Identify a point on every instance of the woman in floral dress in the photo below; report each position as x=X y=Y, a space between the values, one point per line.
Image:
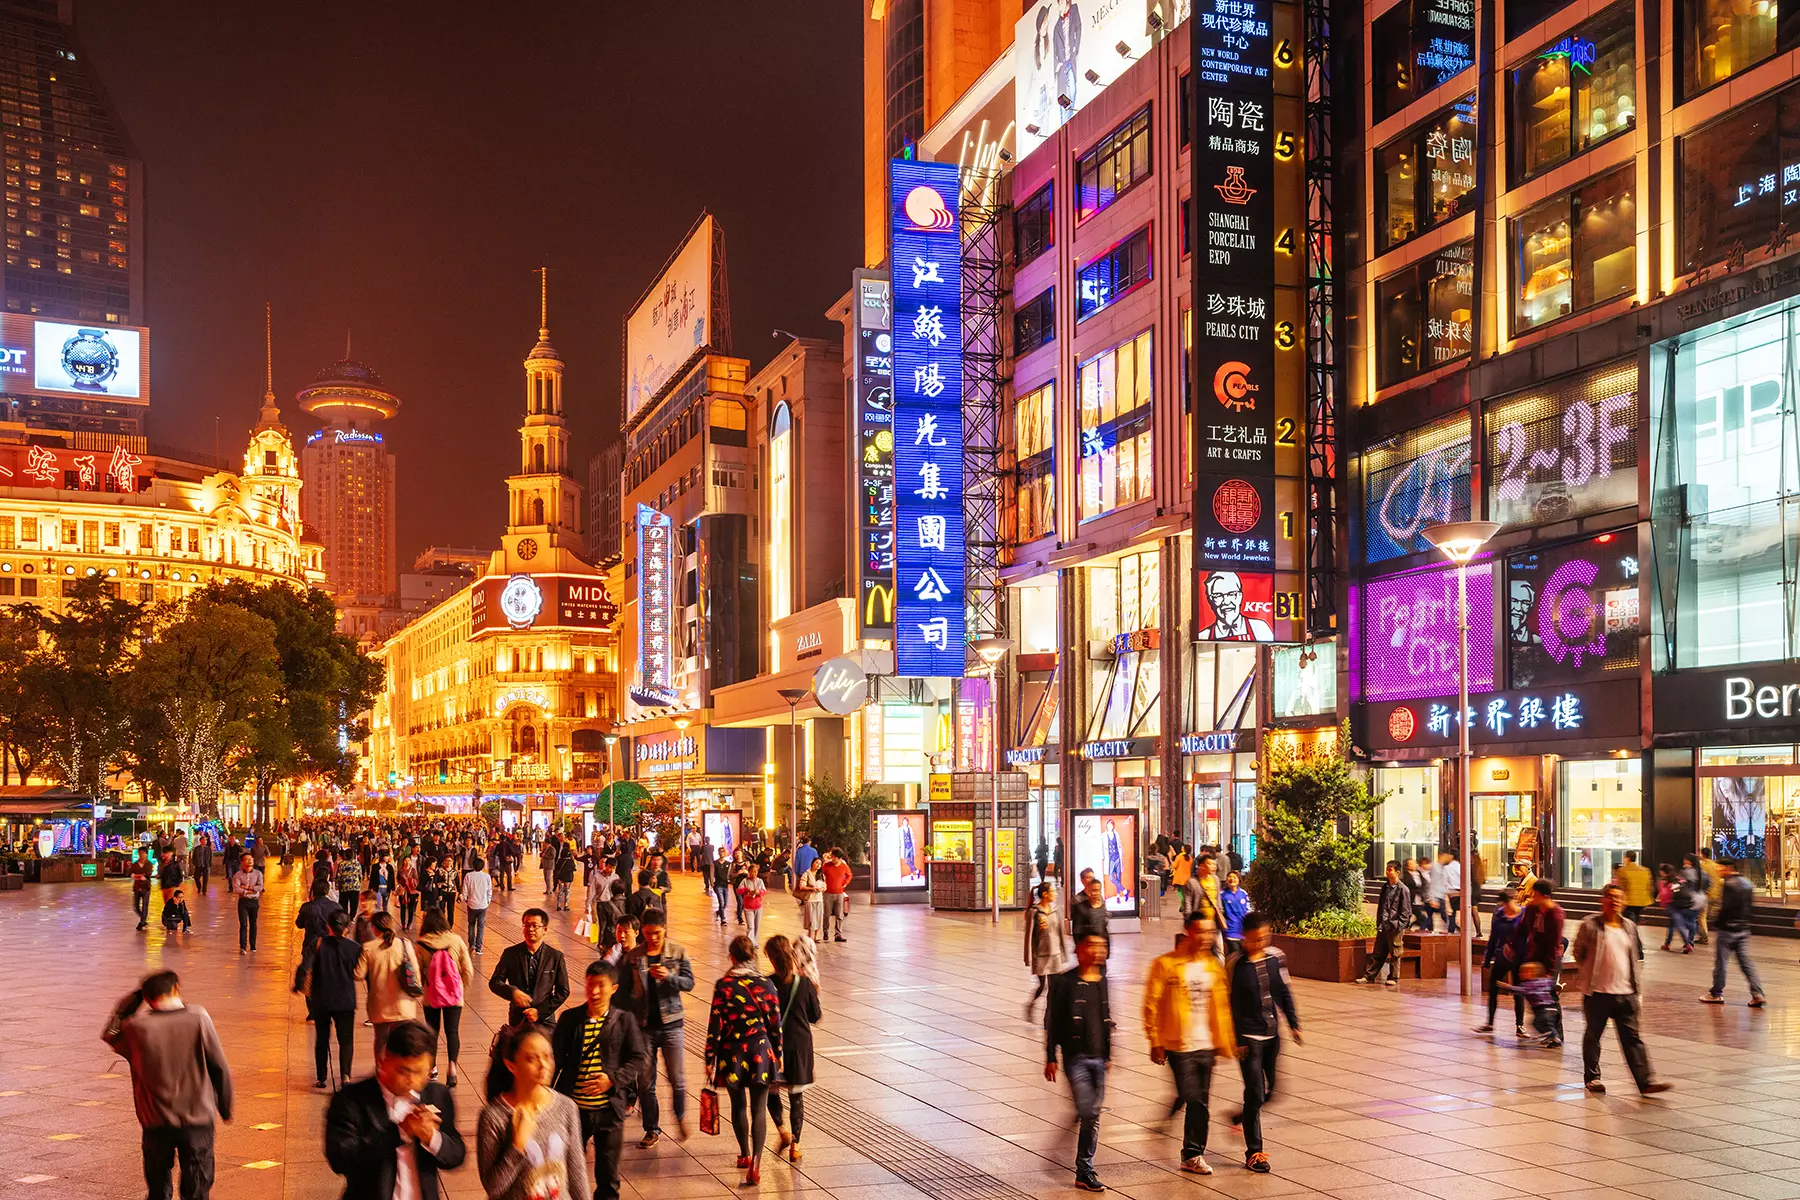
x=743 y=1050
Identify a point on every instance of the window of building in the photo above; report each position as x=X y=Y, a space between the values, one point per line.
x=1124 y=599
x=1114 y=273
x=1426 y=175
x=1186 y=121
x=1034 y=428
x=730 y=424
x=1575 y=93
x=1034 y=324
x=1740 y=181
x=28 y=587
x=1419 y=45
x=1116 y=462
x=1425 y=315
x=1034 y=225
x=1575 y=251
x=1117 y=164
x=1721 y=38
x=1406 y=820
x=1600 y=815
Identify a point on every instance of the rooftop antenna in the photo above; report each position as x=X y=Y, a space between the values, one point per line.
x=543 y=274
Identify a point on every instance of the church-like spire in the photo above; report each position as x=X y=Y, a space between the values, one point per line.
x=543 y=349
x=270 y=417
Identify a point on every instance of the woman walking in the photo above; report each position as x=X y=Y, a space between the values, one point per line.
x=406 y=887
x=1501 y=962
x=743 y=1050
x=1046 y=943
x=383 y=967
x=750 y=898
x=809 y=894
x=800 y=1011
x=448 y=971
x=528 y=1139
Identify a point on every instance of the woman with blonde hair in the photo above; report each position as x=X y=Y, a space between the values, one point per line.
x=384 y=967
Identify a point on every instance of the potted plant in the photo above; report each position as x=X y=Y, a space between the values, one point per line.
x=1313 y=838
x=839 y=816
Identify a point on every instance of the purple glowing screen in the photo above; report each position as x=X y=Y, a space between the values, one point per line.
x=1408 y=628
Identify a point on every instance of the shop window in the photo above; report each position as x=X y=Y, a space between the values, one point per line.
x=1722 y=38
x=1572 y=611
x=1034 y=323
x=1407 y=821
x=1116 y=463
x=1419 y=45
x=1305 y=680
x=1412 y=480
x=1740 y=183
x=1112 y=274
x=1425 y=315
x=1754 y=818
x=1034 y=225
x=1524 y=15
x=730 y=423
x=1427 y=175
x=1125 y=597
x=1034 y=428
x=1599 y=816
x=1575 y=251
x=1117 y=164
x=1564 y=451
x=1575 y=93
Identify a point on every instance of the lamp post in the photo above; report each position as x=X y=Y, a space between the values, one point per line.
x=1460 y=541
x=681 y=724
x=612 y=795
x=793 y=696
x=993 y=651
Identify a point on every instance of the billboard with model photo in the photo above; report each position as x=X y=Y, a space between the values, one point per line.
x=1105 y=840
x=724 y=829
x=900 y=845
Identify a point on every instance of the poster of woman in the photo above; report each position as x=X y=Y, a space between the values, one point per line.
x=1106 y=841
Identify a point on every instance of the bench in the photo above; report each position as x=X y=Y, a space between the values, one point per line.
x=1409 y=954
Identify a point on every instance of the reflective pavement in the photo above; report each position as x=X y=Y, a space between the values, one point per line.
x=930 y=1081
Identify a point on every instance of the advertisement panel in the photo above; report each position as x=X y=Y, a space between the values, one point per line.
x=929 y=637
x=1006 y=875
x=873 y=400
x=1067 y=52
x=900 y=845
x=656 y=650
x=672 y=324
x=1305 y=679
x=1409 y=633
x=724 y=828
x=72 y=470
x=1105 y=840
x=1235 y=606
x=1564 y=451
x=1413 y=480
x=89 y=360
x=1572 y=611
x=671 y=752
x=540 y=602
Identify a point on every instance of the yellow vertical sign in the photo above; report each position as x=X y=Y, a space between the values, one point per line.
x=1004 y=877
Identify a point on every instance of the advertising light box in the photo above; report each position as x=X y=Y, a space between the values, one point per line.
x=672 y=324
x=1564 y=451
x=1417 y=479
x=900 y=846
x=1105 y=840
x=1409 y=633
x=724 y=828
x=1067 y=53
x=1572 y=611
x=88 y=360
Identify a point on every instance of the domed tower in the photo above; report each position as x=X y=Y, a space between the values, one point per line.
x=349 y=497
x=544 y=516
x=271 y=468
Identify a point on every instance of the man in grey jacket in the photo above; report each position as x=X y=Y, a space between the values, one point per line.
x=180 y=1083
x=1606 y=975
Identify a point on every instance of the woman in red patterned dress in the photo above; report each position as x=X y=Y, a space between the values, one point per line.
x=743 y=1050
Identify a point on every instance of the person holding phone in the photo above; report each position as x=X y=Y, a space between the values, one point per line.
x=392 y=1134
x=180 y=1082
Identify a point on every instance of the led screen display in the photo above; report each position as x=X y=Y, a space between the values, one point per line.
x=1417 y=479
x=1564 y=451
x=1572 y=611
x=1409 y=633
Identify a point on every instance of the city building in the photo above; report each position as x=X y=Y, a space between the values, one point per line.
x=507 y=687
x=74 y=181
x=1571 y=311
x=437 y=573
x=349 y=498
x=605 y=526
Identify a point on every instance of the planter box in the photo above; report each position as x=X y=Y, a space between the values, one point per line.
x=1338 y=960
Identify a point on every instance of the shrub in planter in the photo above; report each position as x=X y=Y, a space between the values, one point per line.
x=1313 y=838
x=1335 y=923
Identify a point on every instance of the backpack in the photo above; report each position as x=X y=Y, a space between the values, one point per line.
x=443 y=982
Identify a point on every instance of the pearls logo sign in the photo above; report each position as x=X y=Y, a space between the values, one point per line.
x=1232 y=386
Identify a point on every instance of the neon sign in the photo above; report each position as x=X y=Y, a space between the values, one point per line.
x=656 y=650
x=1410 y=637
x=1417 y=480
x=1573 y=610
x=1562 y=454
x=873 y=383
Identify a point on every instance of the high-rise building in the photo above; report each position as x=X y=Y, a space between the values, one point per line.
x=605 y=478
x=349 y=472
x=74 y=181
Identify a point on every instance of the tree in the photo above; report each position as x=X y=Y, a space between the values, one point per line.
x=21 y=710
x=840 y=817
x=327 y=686
x=1314 y=836
x=75 y=674
x=204 y=682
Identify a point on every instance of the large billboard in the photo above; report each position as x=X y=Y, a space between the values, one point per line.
x=872 y=385
x=1414 y=480
x=540 y=602
x=44 y=357
x=1572 y=611
x=673 y=323
x=654 y=686
x=929 y=621
x=1564 y=451
x=1069 y=50
x=1409 y=633
x=900 y=845
x=1105 y=840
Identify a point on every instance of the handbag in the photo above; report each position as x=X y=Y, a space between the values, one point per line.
x=709 y=1111
x=410 y=982
x=581 y=927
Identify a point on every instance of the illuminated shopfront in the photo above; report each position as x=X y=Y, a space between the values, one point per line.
x=1407 y=823
x=1599 y=816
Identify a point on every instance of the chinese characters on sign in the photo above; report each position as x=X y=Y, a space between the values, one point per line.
x=873 y=381
x=1603 y=710
x=927 y=420
x=656 y=649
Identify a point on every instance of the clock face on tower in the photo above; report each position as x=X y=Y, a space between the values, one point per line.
x=527 y=548
x=521 y=600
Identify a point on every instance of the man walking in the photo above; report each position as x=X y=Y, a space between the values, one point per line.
x=477 y=894
x=331 y=1000
x=349 y=882
x=1187 y=1021
x=531 y=977
x=1736 y=898
x=180 y=1083
x=200 y=862
x=658 y=972
x=1078 y=1022
x=1393 y=909
x=141 y=870
x=836 y=873
x=247 y=886
x=1453 y=881
x=1606 y=975
x=390 y=1135
x=599 y=1060
x=1259 y=992
x=1088 y=916
x=1635 y=881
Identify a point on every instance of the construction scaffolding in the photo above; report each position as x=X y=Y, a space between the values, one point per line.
x=1321 y=330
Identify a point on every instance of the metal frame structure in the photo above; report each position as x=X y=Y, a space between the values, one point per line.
x=984 y=380
x=1323 y=319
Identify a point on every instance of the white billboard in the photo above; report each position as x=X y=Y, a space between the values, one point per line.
x=1059 y=44
x=90 y=360
x=672 y=323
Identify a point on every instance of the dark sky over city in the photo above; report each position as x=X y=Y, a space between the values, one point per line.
x=400 y=169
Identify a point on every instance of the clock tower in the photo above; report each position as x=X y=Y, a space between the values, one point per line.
x=544 y=509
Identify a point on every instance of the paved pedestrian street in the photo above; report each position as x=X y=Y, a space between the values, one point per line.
x=930 y=1081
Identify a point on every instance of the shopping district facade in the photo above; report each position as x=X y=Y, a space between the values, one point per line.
x=1528 y=263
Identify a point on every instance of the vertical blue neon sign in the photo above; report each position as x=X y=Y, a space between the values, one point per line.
x=929 y=621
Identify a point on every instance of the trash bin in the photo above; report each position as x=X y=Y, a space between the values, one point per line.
x=1150 y=895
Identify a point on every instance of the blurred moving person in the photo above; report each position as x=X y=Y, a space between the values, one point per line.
x=1187 y=1021
x=1606 y=975
x=1078 y=1023
x=1259 y=1000
x=180 y=1083
x=1736 y=899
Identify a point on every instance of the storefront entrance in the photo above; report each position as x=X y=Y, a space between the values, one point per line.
x=1499 y=819
x=1206 y=808
x=1750 y=811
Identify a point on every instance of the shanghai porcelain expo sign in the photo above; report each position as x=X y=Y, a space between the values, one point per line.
x=841 y=686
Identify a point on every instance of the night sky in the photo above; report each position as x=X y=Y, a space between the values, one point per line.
x=399 y=169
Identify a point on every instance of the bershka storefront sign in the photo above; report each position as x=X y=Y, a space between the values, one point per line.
x=1753 y=696
x=1565 y=713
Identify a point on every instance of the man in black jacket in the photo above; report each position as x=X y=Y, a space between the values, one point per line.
x=314 y=917
x=1393 y=910
x=1088 y=915
x=531 y=977
x=396 y=1123
x=332 y=997
x=1259 y=998
x=656 y=973
x=1737 y=899
x=599 y=1059
x=1078 y=1022
x=200 y=861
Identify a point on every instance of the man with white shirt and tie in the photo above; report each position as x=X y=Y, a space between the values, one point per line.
x=390 y=1136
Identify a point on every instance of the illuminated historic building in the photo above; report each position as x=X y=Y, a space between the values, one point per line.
x=349 y=497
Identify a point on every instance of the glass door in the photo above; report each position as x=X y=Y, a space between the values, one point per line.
x=1206 y=804
x=1499 y=818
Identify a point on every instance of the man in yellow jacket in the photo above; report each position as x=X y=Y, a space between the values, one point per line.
x=1635 y=879
x=1187 y=1021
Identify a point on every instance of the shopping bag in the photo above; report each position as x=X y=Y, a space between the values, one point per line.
x=709 y=1111
x=581 y=927
x=593 y=933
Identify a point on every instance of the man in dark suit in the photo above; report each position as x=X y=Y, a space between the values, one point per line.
x=331 y=1000
x=599 y=1059
x=531 y=977
x=390 y=1136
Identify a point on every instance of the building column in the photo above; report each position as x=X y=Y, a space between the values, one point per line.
x=1071 y=615
x=1170 y=661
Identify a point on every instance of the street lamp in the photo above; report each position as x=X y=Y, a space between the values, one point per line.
x=1460 y=542
x=681 y=724
x=793 y=696
x=993 y=652
x=612 y=785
